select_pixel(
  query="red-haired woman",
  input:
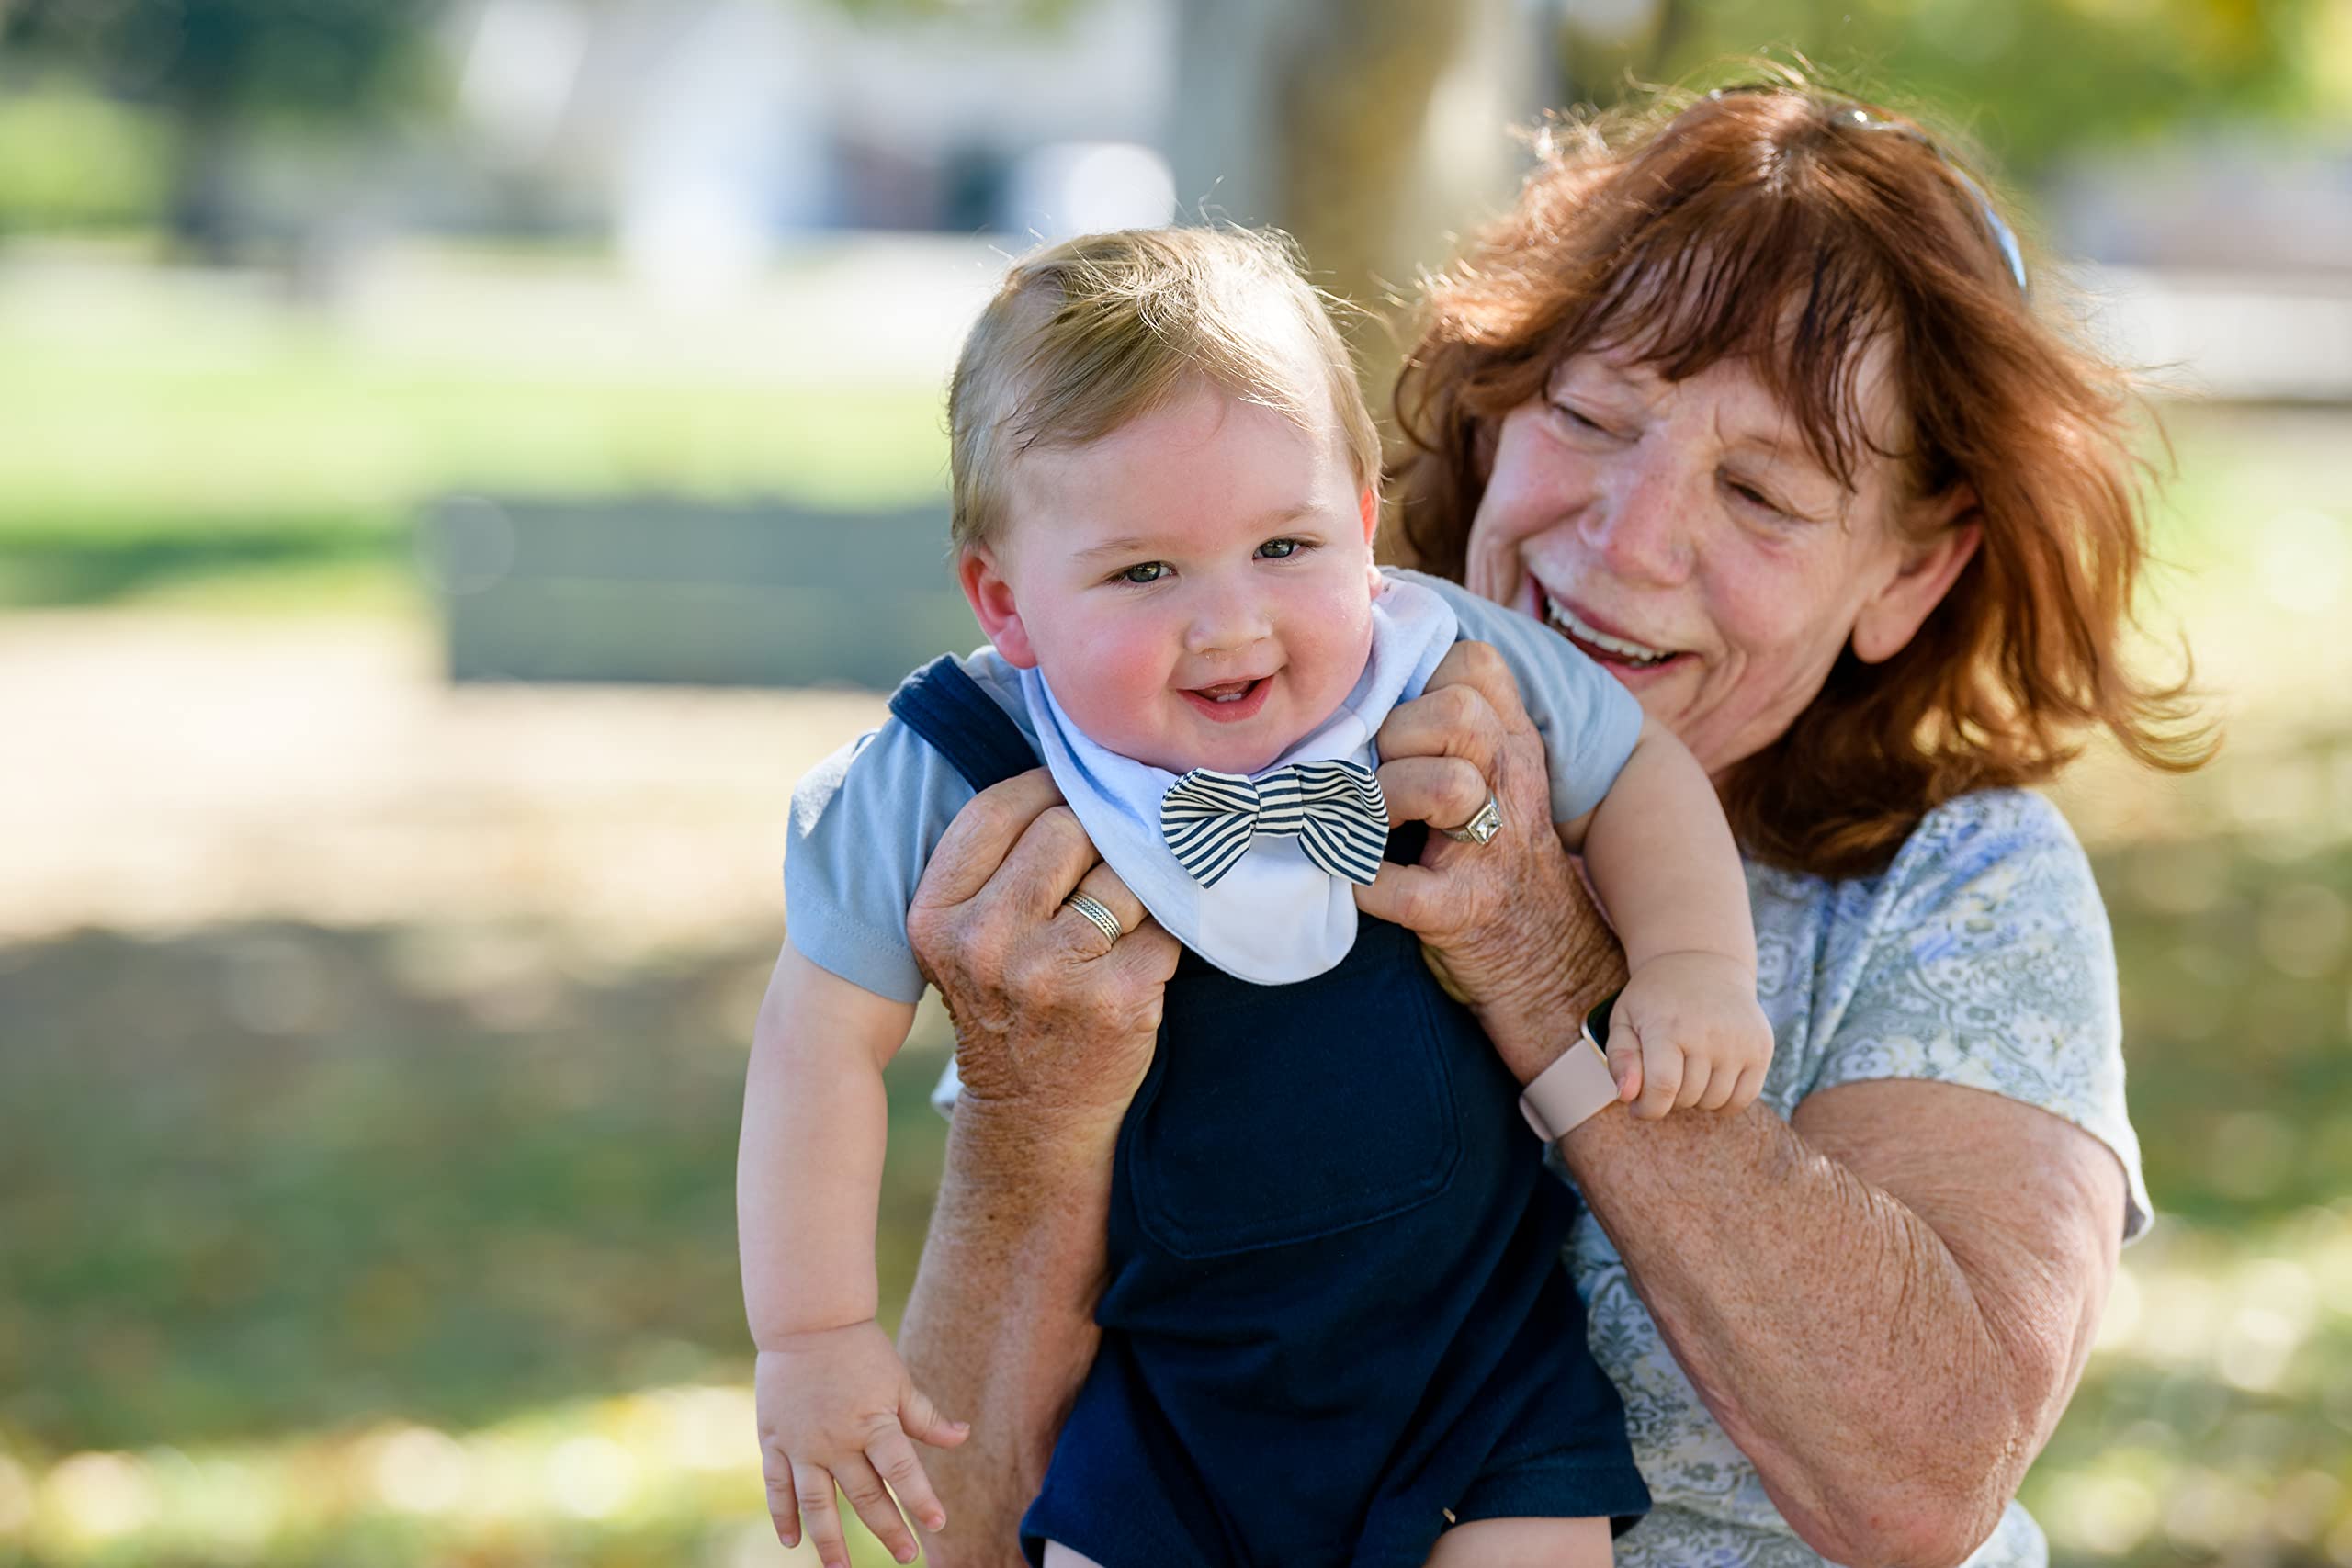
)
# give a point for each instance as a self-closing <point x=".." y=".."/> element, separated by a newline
<point x="1751" y="402"/>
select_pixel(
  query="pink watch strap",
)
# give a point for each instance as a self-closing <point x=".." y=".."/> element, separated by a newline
<point x="1569" y="1091"/>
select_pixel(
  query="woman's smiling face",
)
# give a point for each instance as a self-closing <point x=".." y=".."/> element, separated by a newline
<point x="1684" y="534"/>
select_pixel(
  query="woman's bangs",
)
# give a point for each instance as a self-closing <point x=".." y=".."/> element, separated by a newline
<point x="1743" y="281"/>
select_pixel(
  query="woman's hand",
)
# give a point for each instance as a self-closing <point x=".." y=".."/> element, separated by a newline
<point x="1055" y="1025"/>
<point x="1050" y="1014"/>
<point x="1507" y="924"/>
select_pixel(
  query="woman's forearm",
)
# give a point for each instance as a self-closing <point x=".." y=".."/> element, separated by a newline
<point x="1825" y="1324"/>
<point x="1000" y="1327"/>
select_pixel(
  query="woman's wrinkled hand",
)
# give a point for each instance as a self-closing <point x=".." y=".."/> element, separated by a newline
<point x="1507" y="924"/>
<point x="1050" y="1014"/>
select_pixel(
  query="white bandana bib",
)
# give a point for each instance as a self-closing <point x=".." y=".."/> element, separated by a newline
<point x="1276" y="917"/>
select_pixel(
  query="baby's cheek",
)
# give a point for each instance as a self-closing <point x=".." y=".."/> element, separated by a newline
<point x="1110" y="685"/>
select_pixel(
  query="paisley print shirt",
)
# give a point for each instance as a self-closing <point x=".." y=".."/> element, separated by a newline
<point x="1981" y="957"/>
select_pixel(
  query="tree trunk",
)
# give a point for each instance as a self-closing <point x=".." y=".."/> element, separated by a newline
<point x="1373" y="131"/>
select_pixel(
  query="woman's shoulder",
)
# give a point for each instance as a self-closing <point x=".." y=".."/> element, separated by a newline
<point x="1996" y="842"/>
<point x="1994" y="822"/>
<point x="1988" y="912"/>
<point x="2005" y="844"/>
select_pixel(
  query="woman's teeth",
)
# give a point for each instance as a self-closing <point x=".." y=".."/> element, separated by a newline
<point x="1566" y="620"/>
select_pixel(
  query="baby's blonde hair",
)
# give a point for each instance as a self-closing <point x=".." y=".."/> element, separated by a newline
<point x="1104" y="329"/>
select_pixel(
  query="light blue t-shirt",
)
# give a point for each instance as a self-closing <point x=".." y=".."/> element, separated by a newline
<point x="866" y="820"/>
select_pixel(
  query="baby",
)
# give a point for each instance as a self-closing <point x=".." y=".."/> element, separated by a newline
<point x="1336" y="1327"/>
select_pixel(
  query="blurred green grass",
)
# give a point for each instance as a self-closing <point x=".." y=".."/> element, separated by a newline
<point x="173" y="441"/>
<point x="271" y="1196"/>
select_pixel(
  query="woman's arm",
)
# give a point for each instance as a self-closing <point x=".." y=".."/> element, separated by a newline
<point x="1885" y="1304"/>
<point x="1053" y="1036"/>
<point x="1001" y="1324"/>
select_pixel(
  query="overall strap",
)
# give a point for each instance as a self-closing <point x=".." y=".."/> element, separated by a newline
<point x="963" y="724"/>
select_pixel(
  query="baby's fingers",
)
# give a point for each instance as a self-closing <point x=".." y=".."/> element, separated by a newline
<point x="924" y="1423"/>
<point x="1625" y="1053"/>
<point x="812" y="1486"/>
<point x="1722" y="1084"/>
<point x="775" y="1468"/>
<point x="893" y="1456"/>
<point x="1697" y="1074"/>
<point x="863" y="1486"/>
<point x="1662" y="1067"/>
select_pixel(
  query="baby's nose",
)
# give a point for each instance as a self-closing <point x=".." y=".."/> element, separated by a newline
<point x="1227" y="622"/>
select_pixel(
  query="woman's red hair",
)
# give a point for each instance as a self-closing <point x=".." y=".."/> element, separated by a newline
<point x="1774" y="226"/>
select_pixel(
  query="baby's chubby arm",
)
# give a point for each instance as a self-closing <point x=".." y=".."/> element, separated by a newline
<point x="1687" y="1031"/>
<point x="835" y="1403"/>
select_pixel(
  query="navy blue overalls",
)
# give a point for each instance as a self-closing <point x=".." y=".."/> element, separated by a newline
<point x="1336" y="1309"/>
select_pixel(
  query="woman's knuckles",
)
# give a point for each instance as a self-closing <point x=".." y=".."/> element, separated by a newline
<point x="1483" y="670"/>
<point x="1468" y="713"/>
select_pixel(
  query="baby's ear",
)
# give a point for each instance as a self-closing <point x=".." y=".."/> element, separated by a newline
<point x="1368" y="504"/>
<point x="990" y="596"/>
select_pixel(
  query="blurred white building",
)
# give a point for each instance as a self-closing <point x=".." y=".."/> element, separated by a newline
<point x="2222" y="262"/>
<point x="706" y="132"/>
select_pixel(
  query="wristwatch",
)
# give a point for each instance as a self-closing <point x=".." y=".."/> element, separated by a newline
<point x="1572" y="1089"/>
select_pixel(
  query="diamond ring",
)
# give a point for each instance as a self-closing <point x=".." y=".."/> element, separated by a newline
<point x="1484" y="824"/>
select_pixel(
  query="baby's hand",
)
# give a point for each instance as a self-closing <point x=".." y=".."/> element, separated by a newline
<point x="837" y="1406"/>
<point x="1687" y="1031"/>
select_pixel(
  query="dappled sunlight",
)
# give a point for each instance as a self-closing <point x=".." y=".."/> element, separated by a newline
<point x="665" y="1474"/>
<point x="287" y="1177"/>
<point x="2217" y="1407"/>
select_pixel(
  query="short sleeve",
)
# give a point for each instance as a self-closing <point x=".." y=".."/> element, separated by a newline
<point x="1987" y="961"/>
<point x="863" y="824"/>
<point x="1589" y="722"/>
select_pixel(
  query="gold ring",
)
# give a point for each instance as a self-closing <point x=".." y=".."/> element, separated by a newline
<point x="1095" y="909"/>
<point x="1484" y="824"/>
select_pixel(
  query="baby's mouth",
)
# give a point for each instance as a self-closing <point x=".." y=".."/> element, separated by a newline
<point x="1231" y="701"/>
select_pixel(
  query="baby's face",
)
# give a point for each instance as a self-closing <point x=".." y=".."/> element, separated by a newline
<point x="1196" y="586"/>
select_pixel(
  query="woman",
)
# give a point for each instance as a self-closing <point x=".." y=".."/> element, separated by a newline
<point x="1752" y="406"/>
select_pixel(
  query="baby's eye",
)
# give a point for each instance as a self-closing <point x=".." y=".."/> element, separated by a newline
<point x="1278" y="550"/>
<point x="1147" y="571"/>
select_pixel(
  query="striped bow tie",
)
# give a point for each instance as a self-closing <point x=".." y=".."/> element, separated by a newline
<point x="1335" y="809"/>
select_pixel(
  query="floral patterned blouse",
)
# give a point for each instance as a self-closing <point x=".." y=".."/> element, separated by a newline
<point x="1981" y="957"/>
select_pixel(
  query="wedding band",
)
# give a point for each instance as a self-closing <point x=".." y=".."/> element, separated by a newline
<point x="1484" y="824"/>
<point x="1095" y="909"/>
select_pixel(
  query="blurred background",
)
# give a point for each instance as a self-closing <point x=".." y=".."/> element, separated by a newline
<point x="462" y="460"/>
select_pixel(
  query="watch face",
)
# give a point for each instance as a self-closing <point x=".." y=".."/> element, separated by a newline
<point x="1596" y="1022"/>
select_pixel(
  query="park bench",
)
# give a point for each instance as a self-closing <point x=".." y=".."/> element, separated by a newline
<point x="662" y="588"/>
